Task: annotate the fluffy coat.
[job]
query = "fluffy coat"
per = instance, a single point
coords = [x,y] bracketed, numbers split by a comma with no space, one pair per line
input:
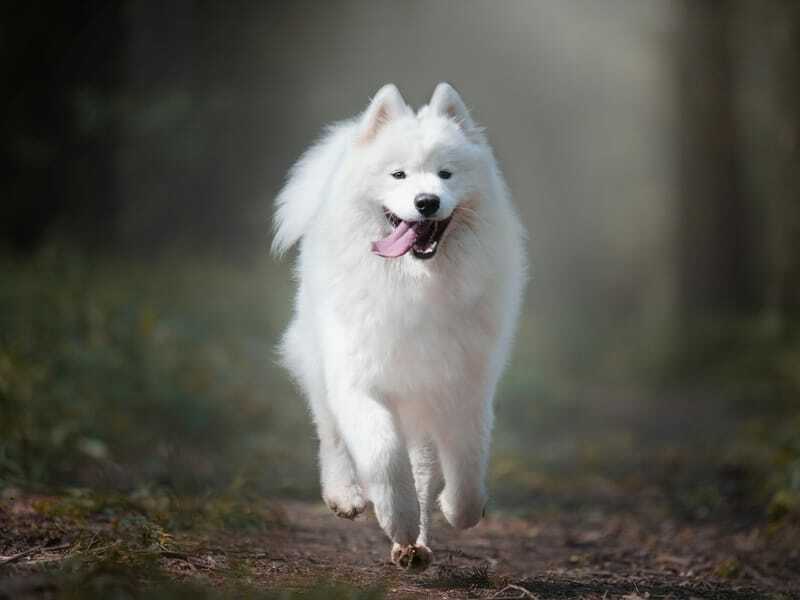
[399,357]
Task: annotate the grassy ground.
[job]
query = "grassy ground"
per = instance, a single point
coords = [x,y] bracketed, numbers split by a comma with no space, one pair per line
[141,413]
[117,374]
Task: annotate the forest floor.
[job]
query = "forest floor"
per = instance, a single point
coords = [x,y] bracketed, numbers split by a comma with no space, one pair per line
[49,549]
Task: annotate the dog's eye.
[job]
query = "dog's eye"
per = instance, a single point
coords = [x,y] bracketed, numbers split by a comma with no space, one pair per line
[399,174]
[444,174]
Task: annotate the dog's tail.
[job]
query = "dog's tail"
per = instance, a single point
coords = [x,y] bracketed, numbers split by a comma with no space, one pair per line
[309,179]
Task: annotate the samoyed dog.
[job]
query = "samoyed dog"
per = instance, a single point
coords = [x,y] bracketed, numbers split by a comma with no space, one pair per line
[411,268]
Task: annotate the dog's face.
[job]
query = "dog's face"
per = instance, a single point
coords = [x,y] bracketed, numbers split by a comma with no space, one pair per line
[422,168]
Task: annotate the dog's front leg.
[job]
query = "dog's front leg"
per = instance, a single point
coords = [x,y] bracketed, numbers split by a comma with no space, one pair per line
[379,452]
[429,483]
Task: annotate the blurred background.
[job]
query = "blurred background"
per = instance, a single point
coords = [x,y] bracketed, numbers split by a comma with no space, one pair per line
[653,150]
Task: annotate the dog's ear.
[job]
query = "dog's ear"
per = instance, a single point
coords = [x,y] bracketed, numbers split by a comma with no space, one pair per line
[387,104]
[447,103]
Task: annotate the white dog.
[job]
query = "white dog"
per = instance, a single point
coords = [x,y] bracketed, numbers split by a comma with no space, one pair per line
[411,270]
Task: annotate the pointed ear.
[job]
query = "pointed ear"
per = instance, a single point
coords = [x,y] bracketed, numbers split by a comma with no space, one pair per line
[387,104]
[447,103]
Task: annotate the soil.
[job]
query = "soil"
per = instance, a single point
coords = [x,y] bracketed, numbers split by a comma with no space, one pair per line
[602,554]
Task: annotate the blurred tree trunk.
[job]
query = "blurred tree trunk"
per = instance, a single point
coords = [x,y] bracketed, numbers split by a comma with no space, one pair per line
[57,137]
[768,55]
[715,259]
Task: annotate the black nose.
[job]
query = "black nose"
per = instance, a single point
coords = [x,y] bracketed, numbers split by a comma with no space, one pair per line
[427,204]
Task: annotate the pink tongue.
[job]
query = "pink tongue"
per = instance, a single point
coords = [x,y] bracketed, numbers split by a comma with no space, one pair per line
[396,243]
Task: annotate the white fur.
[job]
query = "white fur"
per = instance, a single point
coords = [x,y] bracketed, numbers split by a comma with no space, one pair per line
[399,358]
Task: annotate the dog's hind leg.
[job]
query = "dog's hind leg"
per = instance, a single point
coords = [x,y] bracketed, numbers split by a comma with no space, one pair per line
[429,483]
[463,448]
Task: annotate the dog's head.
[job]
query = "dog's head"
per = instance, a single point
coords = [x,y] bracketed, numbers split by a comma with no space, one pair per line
[423,170]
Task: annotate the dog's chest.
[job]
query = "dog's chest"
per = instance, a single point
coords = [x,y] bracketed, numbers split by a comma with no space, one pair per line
[421,338]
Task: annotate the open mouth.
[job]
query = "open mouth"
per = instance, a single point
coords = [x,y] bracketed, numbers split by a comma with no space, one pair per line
[420,237]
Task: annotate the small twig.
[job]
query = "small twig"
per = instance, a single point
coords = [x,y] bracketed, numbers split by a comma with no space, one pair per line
[523,593]
[30,552]
[101,549]
[93,540]
[15,557]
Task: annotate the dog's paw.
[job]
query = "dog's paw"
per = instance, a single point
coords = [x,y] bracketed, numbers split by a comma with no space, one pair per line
[412,558]
[346,502]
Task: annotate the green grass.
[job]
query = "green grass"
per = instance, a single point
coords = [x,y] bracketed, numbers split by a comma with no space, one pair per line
[119,373]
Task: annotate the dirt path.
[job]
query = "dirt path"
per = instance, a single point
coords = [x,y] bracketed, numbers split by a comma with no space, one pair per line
[555,555]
